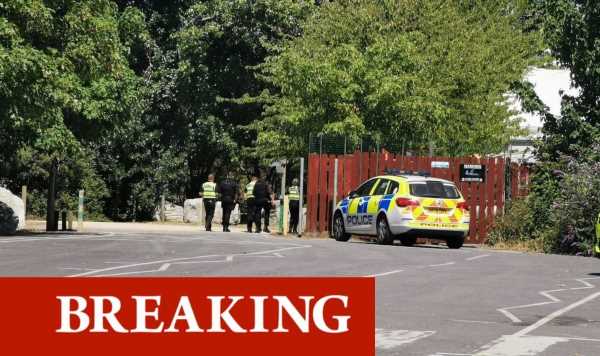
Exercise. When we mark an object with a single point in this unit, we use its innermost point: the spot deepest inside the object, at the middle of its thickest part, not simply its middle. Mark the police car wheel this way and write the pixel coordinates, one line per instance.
(339, 232)
(384, 235)
(408, 240)
(455, 242)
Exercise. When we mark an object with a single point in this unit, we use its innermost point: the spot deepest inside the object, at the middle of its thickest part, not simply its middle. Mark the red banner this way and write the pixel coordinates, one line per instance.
(199, 316)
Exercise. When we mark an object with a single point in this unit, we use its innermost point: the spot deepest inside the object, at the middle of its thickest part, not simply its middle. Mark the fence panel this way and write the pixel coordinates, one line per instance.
(485, 200)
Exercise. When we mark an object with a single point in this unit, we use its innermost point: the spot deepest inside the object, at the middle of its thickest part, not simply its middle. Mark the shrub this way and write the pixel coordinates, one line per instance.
(576, 207)
(559, 214)
(8, 221)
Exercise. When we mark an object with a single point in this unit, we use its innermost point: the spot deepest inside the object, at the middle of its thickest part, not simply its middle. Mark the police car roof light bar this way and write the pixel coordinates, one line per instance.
(400, 172)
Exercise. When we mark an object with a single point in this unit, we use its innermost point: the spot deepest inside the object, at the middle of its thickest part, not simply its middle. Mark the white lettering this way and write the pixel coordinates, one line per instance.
(142, 313)
(319, 319)
(301, 321)
(110, 316)
(259, 314)
(217, 315)
(184, 312)
(66, 312)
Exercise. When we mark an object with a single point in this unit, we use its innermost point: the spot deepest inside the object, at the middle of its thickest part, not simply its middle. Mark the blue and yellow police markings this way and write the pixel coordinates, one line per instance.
(362, 211)
(344, 206)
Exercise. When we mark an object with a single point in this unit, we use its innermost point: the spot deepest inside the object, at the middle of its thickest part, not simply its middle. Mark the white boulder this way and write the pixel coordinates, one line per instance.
(193, 212)
(16, 204)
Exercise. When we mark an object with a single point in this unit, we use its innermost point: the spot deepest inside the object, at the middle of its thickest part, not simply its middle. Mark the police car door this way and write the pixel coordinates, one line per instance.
(357, 220)
(374, 204)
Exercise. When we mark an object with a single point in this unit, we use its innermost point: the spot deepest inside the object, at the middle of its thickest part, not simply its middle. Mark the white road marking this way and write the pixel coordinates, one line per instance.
(385, 273)
(181, 259)
(227, 259)
(450, 354)
(390, 339)
(582, 339)
(556, 314)
(442, 264)
(473, 321)
(546, 294)
(519, 345)
(77, 268)
(162, 268)
(476, 257)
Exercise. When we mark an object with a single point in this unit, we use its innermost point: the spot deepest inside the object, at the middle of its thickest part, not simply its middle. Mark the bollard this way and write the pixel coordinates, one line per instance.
(301, 202)
(70, 220)
(24, 198)
(286, 209)
(55, 222)
(80, 211)
(63, 218)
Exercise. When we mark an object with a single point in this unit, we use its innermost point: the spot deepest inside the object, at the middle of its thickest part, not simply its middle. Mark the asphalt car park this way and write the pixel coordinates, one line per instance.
(431, 300)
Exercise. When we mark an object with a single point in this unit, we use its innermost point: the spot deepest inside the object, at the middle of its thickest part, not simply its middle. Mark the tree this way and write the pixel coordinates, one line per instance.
(406, 71)
(65, 80)
(572, 30)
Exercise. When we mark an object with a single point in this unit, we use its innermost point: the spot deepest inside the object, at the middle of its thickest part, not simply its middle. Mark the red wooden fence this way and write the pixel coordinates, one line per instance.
(486, 200)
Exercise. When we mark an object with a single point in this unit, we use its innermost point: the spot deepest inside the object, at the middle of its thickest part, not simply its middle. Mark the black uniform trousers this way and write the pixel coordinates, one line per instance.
(209, 210)
(261, 205)
(227, 207)
(250, 208)
(294, 210)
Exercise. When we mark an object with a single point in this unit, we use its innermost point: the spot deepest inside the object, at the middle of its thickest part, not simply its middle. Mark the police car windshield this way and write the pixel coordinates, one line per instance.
(433, 189)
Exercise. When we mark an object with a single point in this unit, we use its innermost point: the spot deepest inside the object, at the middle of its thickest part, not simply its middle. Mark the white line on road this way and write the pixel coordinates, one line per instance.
(474, 321)
(556, 314)
(389, 339)
(582, 339)
(385, 273)
(162, 268)
(520, 343)
(174, 260)
(228, 259)
(476, 257)
(442, 264)
(546, 294)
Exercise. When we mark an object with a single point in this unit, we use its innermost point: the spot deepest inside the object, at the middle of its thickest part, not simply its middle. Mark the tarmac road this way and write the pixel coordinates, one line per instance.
(430, 300)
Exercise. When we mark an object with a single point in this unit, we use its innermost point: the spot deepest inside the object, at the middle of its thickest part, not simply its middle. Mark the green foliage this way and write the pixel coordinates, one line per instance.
(572, 30)
(561, 210)
(412, 71)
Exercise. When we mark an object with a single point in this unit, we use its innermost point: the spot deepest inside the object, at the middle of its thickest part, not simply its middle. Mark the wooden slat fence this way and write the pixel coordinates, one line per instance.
(486, 200)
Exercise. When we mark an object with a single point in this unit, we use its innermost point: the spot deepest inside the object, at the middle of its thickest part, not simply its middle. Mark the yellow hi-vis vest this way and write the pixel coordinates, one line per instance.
(294, 193)
(209, 190)
(597, 247)
(250, 190)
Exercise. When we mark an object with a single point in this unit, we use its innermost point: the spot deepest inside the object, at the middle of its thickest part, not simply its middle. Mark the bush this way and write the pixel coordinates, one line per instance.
(8, 221)
(577, 207)
(560, 213)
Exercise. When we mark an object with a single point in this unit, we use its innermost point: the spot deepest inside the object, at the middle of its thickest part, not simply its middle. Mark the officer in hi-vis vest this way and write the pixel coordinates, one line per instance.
(294, 197)
(597, 247)
(250, 206)
(209, 197)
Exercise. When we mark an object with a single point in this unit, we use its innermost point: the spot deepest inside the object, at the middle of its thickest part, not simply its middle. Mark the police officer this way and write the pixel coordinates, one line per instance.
(209, 197)
(294, 197)
(597, 247)
(250, 205)
(263, 200)
(229, 192)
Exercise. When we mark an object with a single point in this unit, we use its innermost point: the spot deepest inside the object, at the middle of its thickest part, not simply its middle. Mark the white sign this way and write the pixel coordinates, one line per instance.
(440, 164)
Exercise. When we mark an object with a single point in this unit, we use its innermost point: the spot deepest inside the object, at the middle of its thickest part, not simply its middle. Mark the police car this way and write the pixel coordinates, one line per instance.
(403, 206)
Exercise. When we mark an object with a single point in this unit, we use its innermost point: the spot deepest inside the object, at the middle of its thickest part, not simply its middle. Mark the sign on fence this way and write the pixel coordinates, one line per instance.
(472, 173)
